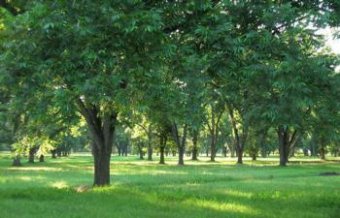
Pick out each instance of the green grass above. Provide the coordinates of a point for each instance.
(146, 189)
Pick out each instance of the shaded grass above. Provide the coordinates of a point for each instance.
(146, 189)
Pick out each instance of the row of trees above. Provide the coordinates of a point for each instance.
(173, 69)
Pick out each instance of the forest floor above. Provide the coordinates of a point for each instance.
(62, 188)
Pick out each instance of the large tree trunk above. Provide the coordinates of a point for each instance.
(101, 166)
(101, 150)
(101, 125)
(287, 142)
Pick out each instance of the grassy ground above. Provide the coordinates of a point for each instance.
(146, 189)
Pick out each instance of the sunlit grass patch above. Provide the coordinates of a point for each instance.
(141, 188)
(35, 168)
(221, 206)
(59, 184)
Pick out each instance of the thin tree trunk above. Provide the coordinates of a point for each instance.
(322, 153)
(140, 151)
(232, 150)
(283, 144)
(42, 158)
(181, 155)
(213, 148)
(180, 141)
(54, 154)
(213, 128)
(194, 147)
(239, 138)
(16, 161)
(150, 151)
(31, 154)
(239, 154)
(163, 140)
(224, 151)
(262, 142)
(161, 157)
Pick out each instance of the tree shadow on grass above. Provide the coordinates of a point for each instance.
(111, 202)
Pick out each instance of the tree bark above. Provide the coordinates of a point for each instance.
(59, 153)
(239, 154)
(140, 151)
(162, 145)
(161, 157)
(322, 153)
(181, 155)
(224, 151)
(262, 142)
(180, 141)
(42, 158)
(213, 128)
(31, 154)
(16, 161)
(213, 148)
(286, 143)
(150, 150)
(54, 152)
(232, 150)
(102, 126)
(194, 147)
(240, 138)
(283, 144)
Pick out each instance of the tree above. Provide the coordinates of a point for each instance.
(72, 54)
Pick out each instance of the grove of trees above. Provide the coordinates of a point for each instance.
(226, 77)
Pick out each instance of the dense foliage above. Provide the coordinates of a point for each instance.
(223, 76)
